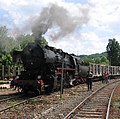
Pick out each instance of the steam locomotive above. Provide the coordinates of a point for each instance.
(45, 66)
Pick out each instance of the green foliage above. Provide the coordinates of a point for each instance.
(7, 59)
(9, 44)
(43, 41)
(88, 60)
(6, 42)
(3, 37)
(104, 60)
(23, 40)
(112, 56)
(98, 60)
(113, 50)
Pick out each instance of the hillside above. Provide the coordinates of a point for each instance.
(94, 55)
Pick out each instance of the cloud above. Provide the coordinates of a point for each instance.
(21, 10)
(91, 37)
(86, 43)
(104, 13)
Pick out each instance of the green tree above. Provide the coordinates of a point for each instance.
(6, 45)
(104, 60)
(88, 60)
(113, 51)
(7, 59)
(6, 42)
(97, 60)
(3, 37)
(23, 40)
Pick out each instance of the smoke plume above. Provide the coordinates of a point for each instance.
(57, 16)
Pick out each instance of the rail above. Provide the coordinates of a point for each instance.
(108, 108)
(19, 103)
(82, 103)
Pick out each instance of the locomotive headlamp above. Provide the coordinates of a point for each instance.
(17, 77)
(39, 77)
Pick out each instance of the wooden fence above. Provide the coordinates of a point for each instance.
(9, 72)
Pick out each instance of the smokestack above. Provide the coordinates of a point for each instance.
(38, 39)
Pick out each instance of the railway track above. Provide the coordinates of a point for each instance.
(96, 105)
(114, 106)
(49, 106)
(10, 102)
(8, 97)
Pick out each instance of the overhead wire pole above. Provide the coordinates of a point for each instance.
(61, 86)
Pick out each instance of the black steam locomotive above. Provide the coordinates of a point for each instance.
(45, 66)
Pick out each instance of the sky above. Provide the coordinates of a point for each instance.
(75, 26)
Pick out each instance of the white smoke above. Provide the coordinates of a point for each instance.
(57, 16)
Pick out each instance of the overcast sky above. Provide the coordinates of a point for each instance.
(79, 27)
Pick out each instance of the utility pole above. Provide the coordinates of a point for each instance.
(62, 78)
